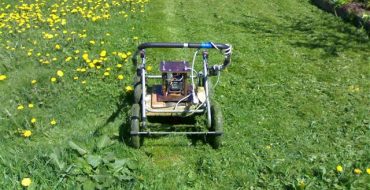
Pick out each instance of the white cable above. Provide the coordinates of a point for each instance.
(195, 99)
(196, 109)
(182, 99)
(218, 79)
(227, 51)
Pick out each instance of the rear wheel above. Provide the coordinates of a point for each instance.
(135, 125)
(137, 90)
(215, 140)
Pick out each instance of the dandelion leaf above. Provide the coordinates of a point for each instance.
(75, 147)
(54, 158)
(103, 142)
(118, 164)
(94, 160)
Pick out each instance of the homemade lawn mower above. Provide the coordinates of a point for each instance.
(183, 92)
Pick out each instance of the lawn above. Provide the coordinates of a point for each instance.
(295, 98)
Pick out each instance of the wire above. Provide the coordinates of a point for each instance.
(196, 109)
(195, 99)
(182, 99)
(192, 81)
(227, 52)
(218, 79)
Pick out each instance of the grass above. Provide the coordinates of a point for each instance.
(295, 100)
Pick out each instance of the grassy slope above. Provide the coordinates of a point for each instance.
(290, 112)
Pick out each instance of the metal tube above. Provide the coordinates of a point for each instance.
(165, 125)
(153, 76)
(205, 75)
(181, 45)
(160, 77)
(174, 111)
(143, 111)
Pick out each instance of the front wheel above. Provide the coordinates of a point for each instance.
(135, 125)
(215, 140)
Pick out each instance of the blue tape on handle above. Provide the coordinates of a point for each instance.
(206, 45)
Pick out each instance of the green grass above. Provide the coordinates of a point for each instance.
(295, 101)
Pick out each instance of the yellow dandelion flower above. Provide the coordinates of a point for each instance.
(2, 77)
(53, 79)
(20, 107)
(26, 182)
(129, 88)
(75, 78)
(357, 171)
(64, 22)
(135, 38)
(106, 74)
(29, 53)
(83, 82)
(85, 56)
(53, 122)
(92, 42)
(26, 133)
(339, 169)
(30, 105)
(83, 70)
(91, 65)
(120, 77)
(119, 65)
(33, 120)
(77, 51)
(57, 47)
(368, 171)
(103, 53)
(33, 81)
(60, 73)
(149, 68)
(122, 55)
(68, 59)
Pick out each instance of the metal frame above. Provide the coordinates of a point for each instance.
(142, 72)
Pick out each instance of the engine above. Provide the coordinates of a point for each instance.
(174, 75)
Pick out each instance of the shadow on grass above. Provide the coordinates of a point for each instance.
(308, 32)
(122, 108)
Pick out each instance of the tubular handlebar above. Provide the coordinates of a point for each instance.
(181, 45)
(206, 45)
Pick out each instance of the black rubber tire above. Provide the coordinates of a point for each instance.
(138, 91)
(216, 126)
(135, 125)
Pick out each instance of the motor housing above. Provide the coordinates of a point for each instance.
(174, 79)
